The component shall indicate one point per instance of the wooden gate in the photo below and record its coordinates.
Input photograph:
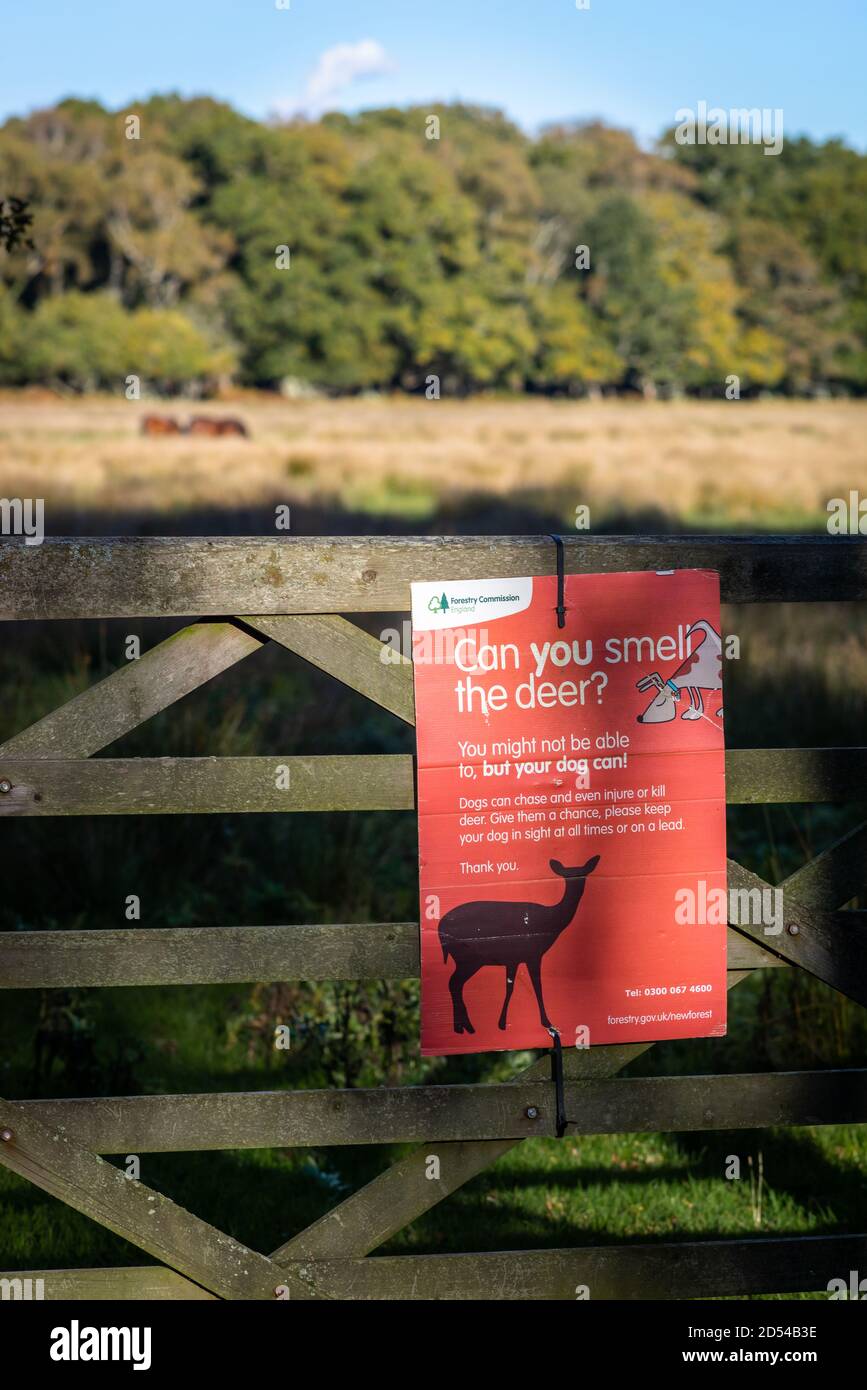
(290, 592)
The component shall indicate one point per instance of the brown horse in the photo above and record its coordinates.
(214, 427)
(153, 425)
(203, 424)
(230, 425)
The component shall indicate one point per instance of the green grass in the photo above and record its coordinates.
(411, 500)
(602, 1190)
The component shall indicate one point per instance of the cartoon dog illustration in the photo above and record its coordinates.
(701, 670)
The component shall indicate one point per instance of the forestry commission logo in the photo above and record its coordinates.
(467, 604)
(439, 604)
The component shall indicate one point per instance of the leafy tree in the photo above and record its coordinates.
(151, 228)
(412, 256)
(786, 296)
(169, 352)
(648, 310)
(687, 242)
(15, 221)
(77, 340)
(798, 245)
(470, 338)
(13, 332)
(89, 342)
(52, 159)
(572, 352)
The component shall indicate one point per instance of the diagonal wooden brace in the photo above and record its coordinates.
(82, 1180)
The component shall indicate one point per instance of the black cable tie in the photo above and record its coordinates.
(557, 1077)
(561, 595)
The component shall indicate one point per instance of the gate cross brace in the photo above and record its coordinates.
(225, 1267)
(155, 1223)
(403, 1193)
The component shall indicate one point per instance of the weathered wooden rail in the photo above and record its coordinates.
(243, 594)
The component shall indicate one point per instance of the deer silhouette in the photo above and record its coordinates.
(508, 934)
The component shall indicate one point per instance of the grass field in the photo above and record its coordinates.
(725, 464)
(378, 464)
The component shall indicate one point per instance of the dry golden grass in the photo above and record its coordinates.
(764, 464)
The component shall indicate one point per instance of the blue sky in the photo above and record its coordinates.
(632, 62)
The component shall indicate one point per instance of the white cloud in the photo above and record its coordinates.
(341, 66)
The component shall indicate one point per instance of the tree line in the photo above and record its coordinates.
(395, 250)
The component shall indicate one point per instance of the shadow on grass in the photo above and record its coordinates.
(523, 513)
(496, 1211)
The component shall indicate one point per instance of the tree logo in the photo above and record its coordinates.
(439, 605)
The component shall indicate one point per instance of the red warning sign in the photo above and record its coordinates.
(571, 791)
